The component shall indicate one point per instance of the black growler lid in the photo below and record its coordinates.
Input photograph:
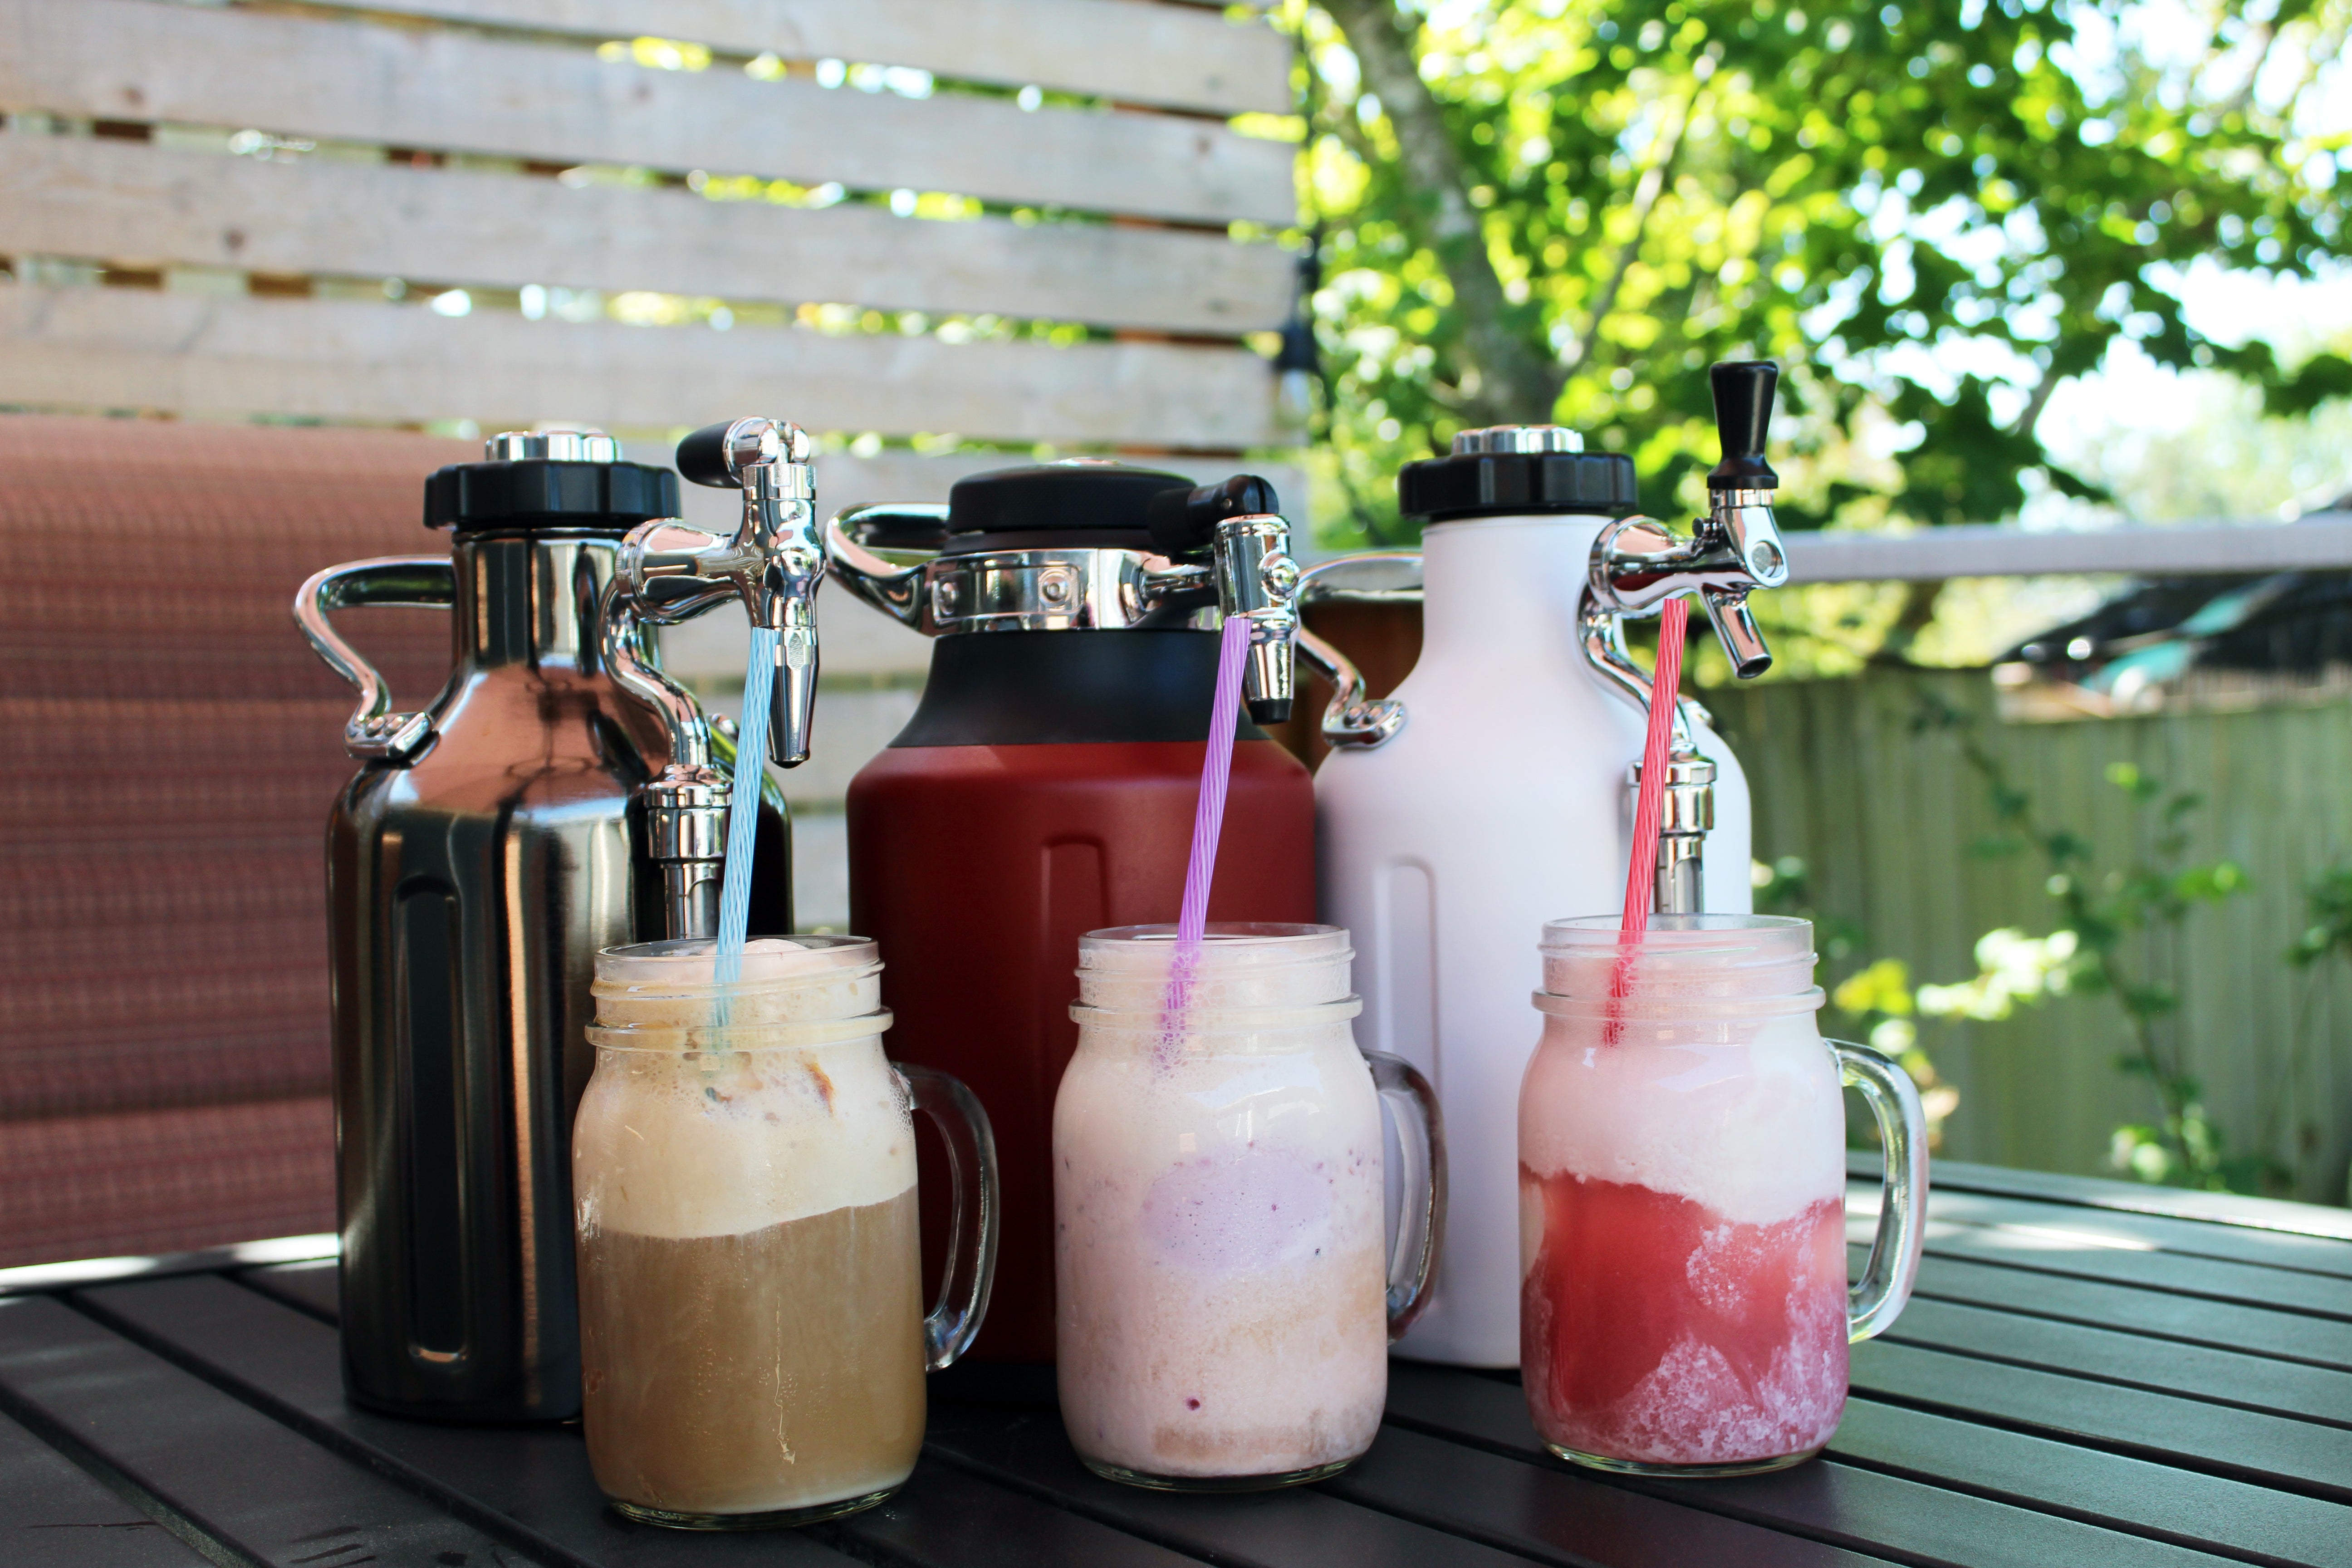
(1078, 502)
(551, 478)
(1511, 469)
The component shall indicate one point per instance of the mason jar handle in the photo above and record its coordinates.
(1873, 1306)
(1420, 1134)
(972, 1213)
(374, 732)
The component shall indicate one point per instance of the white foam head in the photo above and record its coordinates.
(1708, 1079)
(693, 1126)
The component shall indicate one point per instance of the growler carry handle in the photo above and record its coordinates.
(374, 732)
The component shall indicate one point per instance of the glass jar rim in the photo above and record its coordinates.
(1668, 933)
(1192, 1021)
(1683, 1009)
(654, 968)
(713, 1040)
(1259, 941)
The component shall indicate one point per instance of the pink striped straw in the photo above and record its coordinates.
(1209, 816)
(1641, 867)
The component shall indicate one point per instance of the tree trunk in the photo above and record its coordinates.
(1504, 377)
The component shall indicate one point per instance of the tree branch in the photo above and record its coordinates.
(1506, 380)
(1645, 197)
(2036, 401)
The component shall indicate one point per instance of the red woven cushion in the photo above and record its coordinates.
(175, 748)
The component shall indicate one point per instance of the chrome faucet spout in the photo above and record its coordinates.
(1237, 524)
(1257, 579)
(685, 806)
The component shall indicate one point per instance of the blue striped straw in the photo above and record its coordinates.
(744, 813)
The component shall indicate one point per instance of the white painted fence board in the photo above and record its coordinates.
(123, 348)
(137, 203)
(1155, 54)
(2321, 541)
(425, 88)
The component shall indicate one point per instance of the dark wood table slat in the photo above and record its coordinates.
(2130, 1231)
(2208, 1512)
(2319, 1296)
(1871, 1511)
(54, 1515)
(2195, 1371)
(236, 1477)
(1559, 1514)
(947, 1518)
(1303, 1527)
(2127, 1309)
(2273, 1450)
(2261, 1216)
(534, 1479)
(309, 1286)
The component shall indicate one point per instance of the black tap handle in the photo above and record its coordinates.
(1184, 522)
(702, 456)
(1743, 420)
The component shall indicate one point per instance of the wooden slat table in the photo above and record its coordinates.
(2091, 1374)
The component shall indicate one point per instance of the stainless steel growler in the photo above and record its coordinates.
(559, 796)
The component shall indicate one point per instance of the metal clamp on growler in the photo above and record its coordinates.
(1638, 563)
(1093, 587)
(669, 572)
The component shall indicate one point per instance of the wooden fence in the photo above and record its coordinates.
(1888, 818)
(509, 146)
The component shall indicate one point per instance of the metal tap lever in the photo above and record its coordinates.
(1639, 563)
(1238, 523)
(774, 563)
(1743, 423)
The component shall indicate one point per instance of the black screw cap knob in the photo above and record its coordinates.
(1184, 522)
(1743, 421)
(702, 456)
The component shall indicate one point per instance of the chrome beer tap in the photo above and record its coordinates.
(1239, 524)
(669, 572)
(1638, 563)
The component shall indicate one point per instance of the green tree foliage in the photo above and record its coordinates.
(1932, 213)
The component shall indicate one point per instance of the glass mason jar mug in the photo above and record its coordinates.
(1227, 1281)
(752, 1337)
(1684, 1304)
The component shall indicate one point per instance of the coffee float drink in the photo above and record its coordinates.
(753, 1337)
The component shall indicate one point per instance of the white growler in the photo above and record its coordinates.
(1490, 794)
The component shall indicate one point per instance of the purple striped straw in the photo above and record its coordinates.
(1209, 817)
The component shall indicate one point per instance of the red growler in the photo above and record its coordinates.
(1045, 786)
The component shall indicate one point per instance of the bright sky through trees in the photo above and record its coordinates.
(1941, 218)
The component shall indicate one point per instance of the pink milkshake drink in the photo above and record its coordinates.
(1684, 1306)
(1226, 1291)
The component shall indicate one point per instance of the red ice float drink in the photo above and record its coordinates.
(1684, 1304)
